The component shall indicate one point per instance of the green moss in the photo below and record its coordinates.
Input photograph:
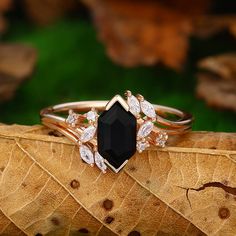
(72, 65)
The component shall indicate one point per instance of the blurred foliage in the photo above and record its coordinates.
(72, 66)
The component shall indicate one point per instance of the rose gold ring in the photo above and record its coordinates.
(108, 133)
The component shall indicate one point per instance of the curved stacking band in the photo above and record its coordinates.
(109, 132)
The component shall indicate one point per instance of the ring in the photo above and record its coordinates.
(108, 133)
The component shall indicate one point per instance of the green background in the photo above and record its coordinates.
(72, 65)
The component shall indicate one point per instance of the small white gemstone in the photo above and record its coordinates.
(145, 129)
(88, 134)
(161, 139)
(141, 146)
(148, 109)
(91, 115)
(72, 119)
(133, 105)
(99, 160)
(86, 154)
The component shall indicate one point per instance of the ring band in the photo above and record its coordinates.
(108, 133)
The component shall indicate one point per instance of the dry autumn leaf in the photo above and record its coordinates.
(217, 84)
(209, 25)
(146, 32)
(17, 63)
(44, 12)
(188, 188)
(5, 5)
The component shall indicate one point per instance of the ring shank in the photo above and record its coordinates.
(182, 123)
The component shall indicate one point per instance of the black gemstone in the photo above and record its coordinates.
(116, 135)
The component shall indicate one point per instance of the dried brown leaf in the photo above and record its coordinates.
(16, 64)
(216, 92)
(188, 188)
(209, 25)
(146, 32)
(44, 12)
(217, 85)
(223, 65)
(5, 5)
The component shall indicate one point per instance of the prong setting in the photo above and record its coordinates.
(72, 118)
(85, 128)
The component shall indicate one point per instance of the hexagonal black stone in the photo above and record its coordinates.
(116, 135)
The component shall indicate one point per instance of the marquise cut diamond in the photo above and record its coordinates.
(133, 105)
(148, 109)
(86, 154)
(145, 129)
(87, 134)
(99, 160)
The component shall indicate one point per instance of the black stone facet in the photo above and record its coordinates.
(116, 135)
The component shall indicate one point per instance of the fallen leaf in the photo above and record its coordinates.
(217, 84)
(222, 65)
(217, 93)
(5, 5)
(44, 12)
(146, 32)
(17, 63)
(209, 25)
(188, 188)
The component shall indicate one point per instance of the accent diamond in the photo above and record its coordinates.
(91, 115)
(87, 134)
(72, 118)
(99, 160)
(161, 139)
(141, 146)
(133, 105)
(86, 154)
(148, 109)
(145, 129)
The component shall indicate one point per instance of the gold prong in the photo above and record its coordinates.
(119, 99)
(140, 97)
(128, 93)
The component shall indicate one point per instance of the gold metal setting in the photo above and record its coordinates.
(153, 124)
